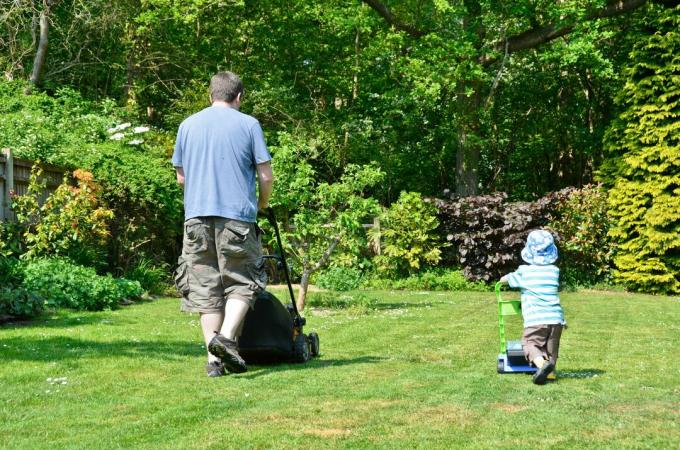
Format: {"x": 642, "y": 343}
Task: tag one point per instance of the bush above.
{"x": 153, "y": 279}
{"x": 407, "y": 236}
{"x": 16, "y": 301}
{"x": 585, "y": 249}
{"x": 19, "y": 302}
{"x": 70, "y": 223}
{"x": 643, "y": 164}
{"x": 432, "y": 280}
{"x": 488, "y": 233}
{"x": 339, "y": 279}
{"x": 62, "y": 283}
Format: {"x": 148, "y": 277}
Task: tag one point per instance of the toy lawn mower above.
{"x": 272, "y": 332}
{"x": 511, "y": 358}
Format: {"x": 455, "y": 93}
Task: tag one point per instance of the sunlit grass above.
{"x": 417, "y": 371}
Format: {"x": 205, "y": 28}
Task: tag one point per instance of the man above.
{"x": 218, "y": 153}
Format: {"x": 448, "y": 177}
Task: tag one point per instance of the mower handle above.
{"x": 269, "y": 211}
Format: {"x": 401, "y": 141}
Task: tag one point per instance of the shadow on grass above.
{"x": 255, "y": 371}
{"x": 580, "y": 373}
{"x": 63, "y": 348}
{"x": 61, "y": 320}
{"x": 405, "y": 305}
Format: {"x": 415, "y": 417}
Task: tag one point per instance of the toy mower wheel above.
{"x": 501, "y": 366}
{"x": 313, "y": 344}
{"x": 301, "y": 349}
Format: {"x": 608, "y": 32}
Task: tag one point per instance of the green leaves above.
{"x": 644, "y": 166}
{"x": 407, "y": 237}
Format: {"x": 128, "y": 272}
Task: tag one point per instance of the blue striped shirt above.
{"x": 540, "y": 300}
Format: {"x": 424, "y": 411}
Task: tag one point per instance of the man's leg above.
{"x": 211, "y": 324}
{"x": 234, "y": 313}
{"x": 198, "y": 279}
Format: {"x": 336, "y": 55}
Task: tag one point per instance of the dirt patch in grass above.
{"x": 508, "y": 408}
{"x": 442, "y": 416}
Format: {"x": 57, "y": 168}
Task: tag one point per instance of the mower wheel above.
{"x": 501, "y": 366}
{"x": 313, "y": 344}
{"x": 301, "y": 349}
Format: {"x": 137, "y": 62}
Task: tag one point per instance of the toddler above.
{"x": 541, "y": 308}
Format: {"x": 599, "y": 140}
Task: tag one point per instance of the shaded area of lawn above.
{"x": 418, "y": 371}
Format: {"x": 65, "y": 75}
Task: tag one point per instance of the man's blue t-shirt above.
{"x": 219, "y": 148}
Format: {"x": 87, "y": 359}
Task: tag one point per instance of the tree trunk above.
{"x": 467, "y": 164}
{"x": 41, "y": 53}
{"x": 302, "y": 292}
{"x": 469, "y": 148}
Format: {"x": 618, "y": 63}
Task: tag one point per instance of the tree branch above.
{"x": 537, "y": 36}
{"x": 39, "y": 61}
{"x": 326, "y": 255}
{"x": 528, "y": 39}
{"x": 390, "y": 18}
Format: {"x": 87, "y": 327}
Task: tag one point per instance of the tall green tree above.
{"x": 465, "y": 46}
{"x": 644, "y": 165}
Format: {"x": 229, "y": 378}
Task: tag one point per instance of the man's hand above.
{"x": 180, "y": 175}
{"x": 265, "y": 180}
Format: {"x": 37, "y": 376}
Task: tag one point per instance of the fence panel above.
{"x": 15, "y": 175}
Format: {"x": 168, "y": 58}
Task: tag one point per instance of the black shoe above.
{"x": 227, "y": 351}
{"x": 541, "y": 374}
{"x": 215, "y": 369}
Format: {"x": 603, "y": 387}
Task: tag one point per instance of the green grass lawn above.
{"x": 419, "y": 371}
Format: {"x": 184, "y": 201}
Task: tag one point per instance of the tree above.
{"x": 479, "y": 37}
{"x": 643, "y": 170}
{"x": 319, "y": 217}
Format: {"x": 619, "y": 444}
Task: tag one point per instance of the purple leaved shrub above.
{"x": 487, "y": 233}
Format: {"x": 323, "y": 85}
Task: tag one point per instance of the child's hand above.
{"x": 503, "y": 280}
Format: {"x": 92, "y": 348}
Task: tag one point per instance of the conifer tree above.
{"x": 644, "y": 165}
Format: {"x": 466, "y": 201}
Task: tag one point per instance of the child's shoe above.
{"x": 542, "y": 373}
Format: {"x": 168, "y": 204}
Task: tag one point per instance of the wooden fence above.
{"x": 15, "y": 174}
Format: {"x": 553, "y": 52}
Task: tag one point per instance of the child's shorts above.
{"x": 543, "y": 341}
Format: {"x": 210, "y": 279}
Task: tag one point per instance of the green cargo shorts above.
{"x": 221, "y": 260}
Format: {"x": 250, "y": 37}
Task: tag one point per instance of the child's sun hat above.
{"x": 540, "y": 248}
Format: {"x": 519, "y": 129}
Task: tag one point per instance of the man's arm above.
{"x": 265, "y": 181}
{"x": 180, "y": 175}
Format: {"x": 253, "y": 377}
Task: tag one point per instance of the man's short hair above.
{"x": 225, "y": 86}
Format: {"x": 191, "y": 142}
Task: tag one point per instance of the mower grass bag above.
{"x": 267, "y": 335}
{"x": 273, "y": 333}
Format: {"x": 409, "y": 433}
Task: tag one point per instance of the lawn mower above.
{"x": 272, "y": 332}
{"x": 511, "y": 358}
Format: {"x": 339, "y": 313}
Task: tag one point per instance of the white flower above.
{"x": 120, "y": 127}
{"x": 136, "y": 141}
{"x": 138, "y": 130}
{"x": 117, "y": 136}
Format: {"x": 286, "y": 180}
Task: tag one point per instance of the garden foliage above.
{"x": 440, "y": 279}
{"x": 644, "y": 165}
{"x": 63, "y": 284}
{"x": 71, "y": 222}
{"x": 488, "y": 233}
{"x": 407, "y": 237}
{"x": 581, "y": 224}
{"x": 339, "y": 278}
{"x": 130, "y": 164}
{"x": 15, "y": 299}
{"x": 320, "y": 220}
